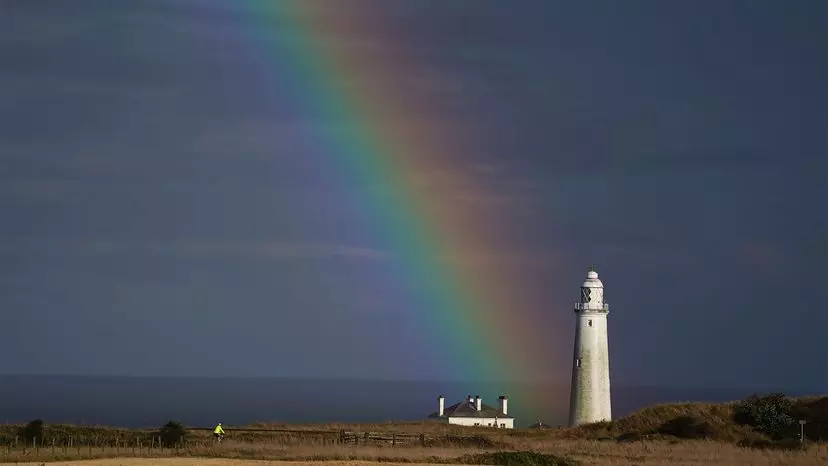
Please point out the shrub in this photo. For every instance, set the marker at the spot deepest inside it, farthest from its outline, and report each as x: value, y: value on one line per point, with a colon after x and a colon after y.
x: 515, y: 458
x: 631, y: 437
x: 815, y: 412
x: 32, y: 430
x: 761, y: 444
x: 688, y: 427
x: 475, y: 441
x: 771, y: 414
x: 172, y: 433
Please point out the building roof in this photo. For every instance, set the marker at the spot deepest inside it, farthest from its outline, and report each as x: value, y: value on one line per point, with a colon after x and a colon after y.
x: 466, y: 409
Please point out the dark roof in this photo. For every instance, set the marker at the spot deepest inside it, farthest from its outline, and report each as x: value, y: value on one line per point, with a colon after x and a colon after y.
x: 466, y: 409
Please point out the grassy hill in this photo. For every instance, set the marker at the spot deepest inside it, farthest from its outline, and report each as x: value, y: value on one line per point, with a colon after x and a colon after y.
x: 756, y: 421
x: 679, y: 433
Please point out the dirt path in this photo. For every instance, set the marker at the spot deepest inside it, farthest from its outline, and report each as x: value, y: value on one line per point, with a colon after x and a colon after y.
x: 206, y: 462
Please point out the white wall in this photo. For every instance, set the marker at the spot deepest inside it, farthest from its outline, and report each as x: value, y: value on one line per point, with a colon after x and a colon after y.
x: 590, y: 391
x: 481, y: 421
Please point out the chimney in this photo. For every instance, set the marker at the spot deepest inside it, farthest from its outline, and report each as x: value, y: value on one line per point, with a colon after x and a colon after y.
x: 442, y: 403
x: 471, y: 400
x: 477, y: 402
x: 503, y: 404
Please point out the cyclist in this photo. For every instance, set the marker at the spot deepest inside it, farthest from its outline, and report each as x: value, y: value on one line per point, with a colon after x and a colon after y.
x: 218, y: 432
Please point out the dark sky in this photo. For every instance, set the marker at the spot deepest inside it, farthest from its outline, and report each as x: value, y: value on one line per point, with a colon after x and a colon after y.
x: 147, y: 208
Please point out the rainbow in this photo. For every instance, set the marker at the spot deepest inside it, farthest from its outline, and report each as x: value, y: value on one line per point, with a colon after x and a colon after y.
x: 470, y: 314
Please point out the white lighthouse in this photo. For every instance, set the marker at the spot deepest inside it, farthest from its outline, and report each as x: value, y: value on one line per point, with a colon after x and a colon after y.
x: 590, y: 390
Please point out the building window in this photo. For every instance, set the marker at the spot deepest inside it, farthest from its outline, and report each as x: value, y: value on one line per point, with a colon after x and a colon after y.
x: 503, y: 425
x: 477, y: 423
x: 578, y: 362
x: 589, y: 322
x: 489, y: 424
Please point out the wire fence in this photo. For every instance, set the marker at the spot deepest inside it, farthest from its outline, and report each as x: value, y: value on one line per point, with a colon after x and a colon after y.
x: 89, y: 447
x: 57, y: 445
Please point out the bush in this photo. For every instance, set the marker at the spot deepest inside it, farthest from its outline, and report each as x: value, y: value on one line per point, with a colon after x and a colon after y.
x: 784, y: 444
x: 515, y: 458
x: 631, y: 437
x: 771, y: 414
x: 474, y: 441
x: 815, y: 412
x: 172, y: 433
x: 688, y: 427
x: 33, y: 430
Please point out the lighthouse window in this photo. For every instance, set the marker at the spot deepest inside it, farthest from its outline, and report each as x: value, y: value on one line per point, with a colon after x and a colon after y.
x: 585, y: 294
x: 589, y: 322
x: 578, y: 362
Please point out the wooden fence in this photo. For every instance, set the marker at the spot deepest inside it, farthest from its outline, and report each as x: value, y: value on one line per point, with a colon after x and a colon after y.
x: 338, y: 436
x: 145, y: 444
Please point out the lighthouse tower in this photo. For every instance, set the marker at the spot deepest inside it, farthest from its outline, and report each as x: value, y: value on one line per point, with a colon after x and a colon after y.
x: 590, y: 391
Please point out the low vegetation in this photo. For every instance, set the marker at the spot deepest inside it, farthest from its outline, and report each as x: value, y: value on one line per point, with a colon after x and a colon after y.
x: 516, y: 458
x: 760, y: 420
x: 760, y: 430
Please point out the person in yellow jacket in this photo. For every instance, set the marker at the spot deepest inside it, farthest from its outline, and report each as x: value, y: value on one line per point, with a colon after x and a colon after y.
x: 218, y: 432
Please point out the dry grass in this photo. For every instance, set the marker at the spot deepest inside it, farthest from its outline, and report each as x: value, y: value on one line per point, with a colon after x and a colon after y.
x: 586, y: 452
x: 213, y: 462
x: 644, y: 443
x: 594, y: 452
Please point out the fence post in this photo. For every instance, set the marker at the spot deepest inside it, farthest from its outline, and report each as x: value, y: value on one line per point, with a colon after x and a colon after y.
x: 394, y: 440
x: 422, y: 439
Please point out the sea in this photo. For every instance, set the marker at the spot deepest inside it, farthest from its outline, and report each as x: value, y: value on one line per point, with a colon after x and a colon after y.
x: 146, y: 402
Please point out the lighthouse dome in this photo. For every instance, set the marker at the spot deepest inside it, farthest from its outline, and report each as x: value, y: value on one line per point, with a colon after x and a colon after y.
x: 592, y: 280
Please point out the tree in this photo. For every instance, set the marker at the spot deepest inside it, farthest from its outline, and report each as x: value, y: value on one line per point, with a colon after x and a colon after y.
x: 33, y: 430
x: 770, y: 414
x: 172, y: 433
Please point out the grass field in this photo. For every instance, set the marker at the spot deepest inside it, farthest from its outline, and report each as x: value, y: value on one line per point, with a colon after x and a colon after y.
x: 584, y: 452
x: 674, y: 434
x: 212, y: 462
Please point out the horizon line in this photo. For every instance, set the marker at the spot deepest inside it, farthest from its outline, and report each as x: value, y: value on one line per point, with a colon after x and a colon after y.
x: 757, y: 389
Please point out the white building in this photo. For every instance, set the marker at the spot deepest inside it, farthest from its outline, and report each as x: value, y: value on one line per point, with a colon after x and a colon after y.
x: 473, y: 412
x: 590, y: 390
